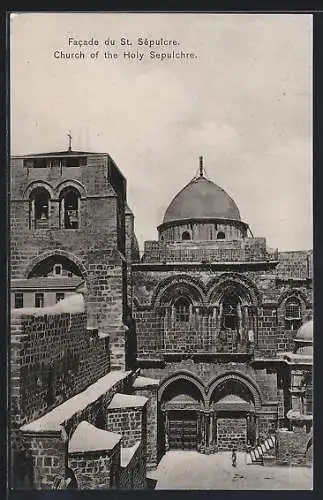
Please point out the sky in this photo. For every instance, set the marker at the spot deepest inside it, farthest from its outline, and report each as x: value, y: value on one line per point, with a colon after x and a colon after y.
x: 243, y: 102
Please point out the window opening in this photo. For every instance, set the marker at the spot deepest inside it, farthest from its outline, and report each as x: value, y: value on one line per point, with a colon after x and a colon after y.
x: 58, y: 269
x: 70, y: 208
x: 186, y: 235
x: 19, y: 300
x: 39, y: 208
x: 182, y: 309
x: 293, y: 318
x: 60, y: 296
x: 230, y: 312
x: 39, y: 299
x: 220, y: 235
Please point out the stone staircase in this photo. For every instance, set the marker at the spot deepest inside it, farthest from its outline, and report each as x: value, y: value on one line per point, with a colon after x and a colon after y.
x: 263, y: 453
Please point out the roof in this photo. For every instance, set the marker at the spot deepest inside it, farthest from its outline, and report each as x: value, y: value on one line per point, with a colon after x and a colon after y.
x: 200, y: 199
x: 47, y: 282
x: 305, y: 332
x: 126, y: 454
x: 126, y: 401
x: 61, y: 153
x: 141, y: 382
x: 87, y: 437
x: 53, y: 420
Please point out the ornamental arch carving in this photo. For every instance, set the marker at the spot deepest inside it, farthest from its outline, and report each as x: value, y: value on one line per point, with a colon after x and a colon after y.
x: 39, y: 184
x: 188, y: 378
x: 242, y: 379
x: 293, y: 293
x: 52, y: 254
x: 174, y: 287
x: 69, y: 183
x: 247, y: 289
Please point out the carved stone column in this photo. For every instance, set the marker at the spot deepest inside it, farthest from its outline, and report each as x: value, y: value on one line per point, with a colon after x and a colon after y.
x: 211, y: 432
x: 32, y: 214
x: 246, y: 325
x: 62, y: 213
x: 173, y: 314
x: 248, y: 429
x: 166, y: 431
x: 199, y: 431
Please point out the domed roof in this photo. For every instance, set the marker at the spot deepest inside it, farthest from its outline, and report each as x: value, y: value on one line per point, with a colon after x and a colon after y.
x: 305, y: 332
x: 199, y: 199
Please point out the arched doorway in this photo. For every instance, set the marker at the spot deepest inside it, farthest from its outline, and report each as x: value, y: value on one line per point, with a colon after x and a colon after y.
x: 180, y: 400
x: 234, y: 414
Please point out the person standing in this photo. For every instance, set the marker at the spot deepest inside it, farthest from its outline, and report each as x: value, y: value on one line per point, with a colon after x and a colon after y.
x: 234, y: 457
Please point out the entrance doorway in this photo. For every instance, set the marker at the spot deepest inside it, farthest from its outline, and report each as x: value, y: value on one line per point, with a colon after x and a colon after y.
x: 182, y: 430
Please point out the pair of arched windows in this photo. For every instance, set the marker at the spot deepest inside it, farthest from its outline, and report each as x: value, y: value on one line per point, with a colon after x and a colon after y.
x: 40, y: 208
x: 187, y: 236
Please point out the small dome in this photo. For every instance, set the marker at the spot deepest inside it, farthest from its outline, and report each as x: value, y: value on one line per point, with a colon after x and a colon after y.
x: 305, y: 332
x: 200, y: 199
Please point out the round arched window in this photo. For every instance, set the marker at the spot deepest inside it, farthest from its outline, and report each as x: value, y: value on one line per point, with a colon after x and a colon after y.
x: 182, y: 308
x: 70, y: 208
x: 39, y: 201
x: 186, y: 235
x: 220, y: 235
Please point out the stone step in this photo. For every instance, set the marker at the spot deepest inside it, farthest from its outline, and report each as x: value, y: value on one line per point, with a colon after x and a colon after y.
x: 269, y: 460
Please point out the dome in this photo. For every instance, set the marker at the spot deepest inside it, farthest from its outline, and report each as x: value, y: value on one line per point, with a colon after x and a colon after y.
x: 305, y: 332
x: 201, y: 199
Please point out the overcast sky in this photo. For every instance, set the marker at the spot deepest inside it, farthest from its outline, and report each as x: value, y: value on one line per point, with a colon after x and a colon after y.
x: 244, y: 103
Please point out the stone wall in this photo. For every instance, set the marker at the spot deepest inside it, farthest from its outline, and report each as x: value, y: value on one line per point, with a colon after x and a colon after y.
x: 129, y: 422
x: 248, y: 249
x: 267, y: 382
x: 297, y: 264
x: 291, y: 447
x: 231, y: 433
x: 96, y: 470
x: 202, y: 231
x: 47, y: 452
x: 96, y: 248
x: 158, y: 330
x: 53, y: 357
x: 43, y: 443
x: 152, y: 423
x: 133, y: 474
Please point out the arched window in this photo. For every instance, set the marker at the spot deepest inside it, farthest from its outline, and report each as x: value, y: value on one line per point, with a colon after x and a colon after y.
x: 182, y: 310
x: 230, y: 317
x: 39, y: 202
x: 220, y: 235
x: 186, y: 235
x: 293, y: 318
x: 70, y: 208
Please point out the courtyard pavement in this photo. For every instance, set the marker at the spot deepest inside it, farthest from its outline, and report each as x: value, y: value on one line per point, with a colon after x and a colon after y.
x: 191, y: 470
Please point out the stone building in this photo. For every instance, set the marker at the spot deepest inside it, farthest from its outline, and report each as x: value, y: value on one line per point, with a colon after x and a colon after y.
x: 214, y: 308
x: 79, y: 411
x: 116, y: 359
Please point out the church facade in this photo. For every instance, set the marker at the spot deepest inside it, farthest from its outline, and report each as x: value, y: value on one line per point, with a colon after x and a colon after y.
x: 202, y: 343
x: 214, y: 311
